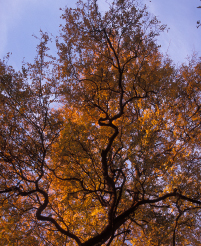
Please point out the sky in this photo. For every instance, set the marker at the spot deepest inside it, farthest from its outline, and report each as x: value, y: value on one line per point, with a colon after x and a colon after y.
x: 21, y: 19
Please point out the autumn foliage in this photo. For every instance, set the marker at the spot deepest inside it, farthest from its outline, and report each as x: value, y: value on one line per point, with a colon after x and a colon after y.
x: 101, y: 146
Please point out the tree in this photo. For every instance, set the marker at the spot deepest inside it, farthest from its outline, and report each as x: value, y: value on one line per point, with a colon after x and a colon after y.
x: 117, y: 161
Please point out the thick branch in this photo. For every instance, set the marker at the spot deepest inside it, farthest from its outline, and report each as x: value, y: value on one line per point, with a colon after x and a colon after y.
x: 120, y: 220
x: 41, y: 217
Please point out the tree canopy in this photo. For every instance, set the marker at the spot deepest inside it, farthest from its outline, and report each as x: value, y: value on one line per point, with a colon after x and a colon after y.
x: 101, y: 146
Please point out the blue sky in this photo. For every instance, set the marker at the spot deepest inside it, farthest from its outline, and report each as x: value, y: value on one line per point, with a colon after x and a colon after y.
x: 20, y: 19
